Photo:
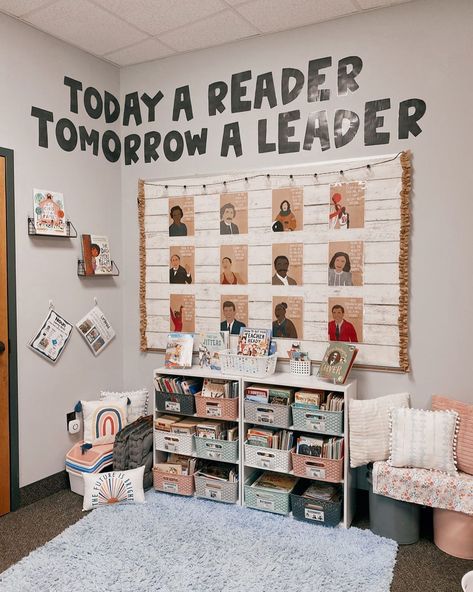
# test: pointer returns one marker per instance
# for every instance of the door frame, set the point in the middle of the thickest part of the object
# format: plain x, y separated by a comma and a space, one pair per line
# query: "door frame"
12, 329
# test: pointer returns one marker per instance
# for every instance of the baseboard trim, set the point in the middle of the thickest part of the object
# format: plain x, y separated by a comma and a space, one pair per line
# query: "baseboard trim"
43, 488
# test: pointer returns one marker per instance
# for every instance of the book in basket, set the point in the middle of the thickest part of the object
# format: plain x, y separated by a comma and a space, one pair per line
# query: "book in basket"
179, 350
254, 342
337, 362
210, 346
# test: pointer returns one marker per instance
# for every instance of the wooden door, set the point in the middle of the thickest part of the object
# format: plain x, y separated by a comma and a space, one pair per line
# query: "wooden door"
4, 353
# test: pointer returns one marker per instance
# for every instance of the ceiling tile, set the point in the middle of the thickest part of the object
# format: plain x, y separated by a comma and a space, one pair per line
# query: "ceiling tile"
86, 25
157, 16
145, 51
21, 7
279, 15
221, 28
366, 4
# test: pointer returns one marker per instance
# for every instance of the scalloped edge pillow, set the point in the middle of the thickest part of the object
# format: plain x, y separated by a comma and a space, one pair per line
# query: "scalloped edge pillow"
424, 439
104, 489
103, 420
465, 432
369, 427
138, 401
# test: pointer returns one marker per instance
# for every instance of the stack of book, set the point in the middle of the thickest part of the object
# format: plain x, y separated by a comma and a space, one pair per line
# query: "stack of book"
181, 385
322, 447
216, 430
276, 439
273, 395
177, 464
333, 402
309, 399
275, 482
216, 388
217, 471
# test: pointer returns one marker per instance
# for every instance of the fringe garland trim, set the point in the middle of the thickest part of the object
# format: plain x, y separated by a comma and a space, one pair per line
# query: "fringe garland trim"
141, 220
404, 261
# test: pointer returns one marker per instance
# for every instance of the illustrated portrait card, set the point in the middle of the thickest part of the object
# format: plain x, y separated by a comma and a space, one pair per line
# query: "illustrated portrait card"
347, 205
182, 264
234, 213
181, 216
234, 264
345, 263
287, 260
288, 318
288, 208
182, 313
345, 319
234, 312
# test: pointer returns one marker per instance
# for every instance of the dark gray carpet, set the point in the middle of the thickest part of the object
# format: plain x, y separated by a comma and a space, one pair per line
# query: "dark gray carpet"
419, 568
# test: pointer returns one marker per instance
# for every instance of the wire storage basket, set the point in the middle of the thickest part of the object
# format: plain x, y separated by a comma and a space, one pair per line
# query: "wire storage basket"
258, 366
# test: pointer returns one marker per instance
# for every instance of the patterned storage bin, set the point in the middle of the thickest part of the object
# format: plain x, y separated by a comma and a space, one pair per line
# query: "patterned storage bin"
327, 513
300, 367
323, 422
264, 499
278, 416
314, 467
268, 458
175, 403
258, 366
219, 491
222, 450
180, 484
220, 408
179, 443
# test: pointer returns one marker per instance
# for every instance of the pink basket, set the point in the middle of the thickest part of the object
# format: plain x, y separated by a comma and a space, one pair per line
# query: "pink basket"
180, 484
314, 467
220, 408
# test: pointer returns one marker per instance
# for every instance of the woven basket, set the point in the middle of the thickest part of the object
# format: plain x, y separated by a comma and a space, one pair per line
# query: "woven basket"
170, 442
219, 491
261, 498
326, 513
259, 366
268, 458
278, 416
180, 484
175, 403
221, 450
300, 367
322, 422
220, 408
314, 467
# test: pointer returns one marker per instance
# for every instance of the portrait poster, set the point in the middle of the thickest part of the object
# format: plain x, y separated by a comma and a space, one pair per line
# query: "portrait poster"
234, 310
345, 263
181, 216
351, 329
287, 261
182, 264
288, 318
234, 264
288, 209
347, 205
182, 313
234, 213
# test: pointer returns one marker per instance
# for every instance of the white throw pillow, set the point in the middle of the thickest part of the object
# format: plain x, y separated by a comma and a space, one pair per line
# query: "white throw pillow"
103, 420
138, 401
369, 427
102, 489
424, 439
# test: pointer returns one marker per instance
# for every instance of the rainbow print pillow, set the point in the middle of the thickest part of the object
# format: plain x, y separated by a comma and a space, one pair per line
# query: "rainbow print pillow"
104, 489
103, 420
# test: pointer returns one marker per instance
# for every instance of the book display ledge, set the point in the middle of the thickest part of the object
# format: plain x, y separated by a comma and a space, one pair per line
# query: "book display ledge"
251, 461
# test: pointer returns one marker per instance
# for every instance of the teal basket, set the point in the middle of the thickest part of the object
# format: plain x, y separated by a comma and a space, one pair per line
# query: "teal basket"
221, 450
315, 420
260, 498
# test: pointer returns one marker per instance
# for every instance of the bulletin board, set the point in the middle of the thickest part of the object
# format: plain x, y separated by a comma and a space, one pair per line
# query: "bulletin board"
289, 249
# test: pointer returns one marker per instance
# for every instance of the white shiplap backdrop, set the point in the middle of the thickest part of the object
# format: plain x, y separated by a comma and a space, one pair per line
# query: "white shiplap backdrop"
380, 235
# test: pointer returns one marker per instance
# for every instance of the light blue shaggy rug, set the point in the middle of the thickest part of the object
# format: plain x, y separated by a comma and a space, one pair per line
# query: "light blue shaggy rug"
173, 544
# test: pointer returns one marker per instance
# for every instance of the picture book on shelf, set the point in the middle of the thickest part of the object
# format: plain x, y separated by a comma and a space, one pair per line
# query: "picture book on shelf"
96, 255
48, 213
277, 481
210, 346
179, 350
254, 342
337, 362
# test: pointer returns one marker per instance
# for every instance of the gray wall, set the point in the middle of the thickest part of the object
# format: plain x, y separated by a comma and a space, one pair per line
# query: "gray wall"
32, 68
421, 49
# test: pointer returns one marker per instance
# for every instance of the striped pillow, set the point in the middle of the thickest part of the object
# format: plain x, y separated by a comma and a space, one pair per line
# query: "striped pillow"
465, 433
369, 427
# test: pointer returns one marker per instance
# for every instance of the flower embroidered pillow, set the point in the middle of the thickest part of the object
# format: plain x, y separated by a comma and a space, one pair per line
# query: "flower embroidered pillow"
103, 420
138, 401
102, 489
424, 439
465, 432
369, 427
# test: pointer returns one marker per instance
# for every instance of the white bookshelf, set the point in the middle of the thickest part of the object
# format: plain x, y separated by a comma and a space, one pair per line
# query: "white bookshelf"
283, 379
